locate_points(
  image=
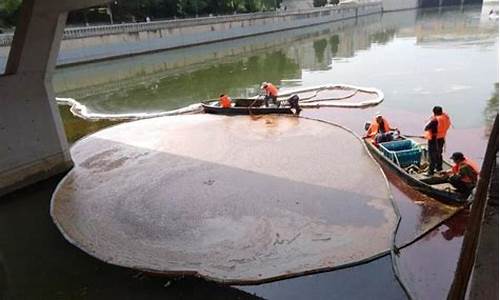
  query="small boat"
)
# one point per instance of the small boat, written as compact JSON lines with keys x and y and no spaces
{"x":245,"y":107}
{"x":409,"y":160}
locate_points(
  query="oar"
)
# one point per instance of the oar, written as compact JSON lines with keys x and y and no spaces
{"x":251,"y":105}
{"x":414,"y":136}
{"x":405,"y":135}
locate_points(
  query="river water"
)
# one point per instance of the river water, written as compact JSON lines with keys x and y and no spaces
{"x":418,"y":58}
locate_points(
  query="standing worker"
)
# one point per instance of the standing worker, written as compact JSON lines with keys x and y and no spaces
{"x":435,"y":133}
{"x":271,"y":93}
{"x":463,"y":175}
{"x":224,"y":101}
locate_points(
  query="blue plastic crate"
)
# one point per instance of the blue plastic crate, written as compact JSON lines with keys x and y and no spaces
{"x":403,"y":153}
{"x":398,"y":145}
{"x":409,"y":157}
{"x":388,"y":148}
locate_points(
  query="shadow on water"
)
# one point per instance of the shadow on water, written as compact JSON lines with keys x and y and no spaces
{"x":374,"y":280}
{"x":36,"y":262}
{"x":76,"y":128}
{"x":419,"y":212}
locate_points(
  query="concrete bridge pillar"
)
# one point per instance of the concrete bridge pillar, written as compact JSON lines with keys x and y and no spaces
{"x":33,"y":144}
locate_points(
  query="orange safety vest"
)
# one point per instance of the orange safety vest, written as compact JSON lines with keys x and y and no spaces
{"x":271,"y":90}
{"x":225,"y":101}
{"x":374,"y":127}
{"x":474,"y":167}
{"x":443,"y":124}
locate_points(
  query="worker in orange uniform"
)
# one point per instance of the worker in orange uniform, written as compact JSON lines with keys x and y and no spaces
{"x":224,"y":101}
{"x":380,"y":131}
{"x":271,"y":93}
{"x":463,"y":175}
{"x":435,"y":133}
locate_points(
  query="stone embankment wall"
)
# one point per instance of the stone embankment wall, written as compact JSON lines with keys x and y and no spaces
{"x":103,"y":42}
{"x":393,"y":5}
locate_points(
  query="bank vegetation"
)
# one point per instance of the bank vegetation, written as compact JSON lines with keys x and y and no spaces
{"x":126,"y":11}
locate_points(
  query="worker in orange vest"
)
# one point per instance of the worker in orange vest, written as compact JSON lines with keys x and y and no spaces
{"x":271,"y":93}
{"x":435,"y":133}
{"x":380,"y":131}
{"x":463,"y":175}
{"x":224,"y":101}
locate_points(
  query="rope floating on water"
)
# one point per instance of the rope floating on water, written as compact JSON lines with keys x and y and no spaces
{"x":314,"y":100}
{"x":81,"y":110}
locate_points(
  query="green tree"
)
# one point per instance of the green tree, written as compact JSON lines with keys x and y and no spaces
{"x":251,"y":5}
{"x":318,"y":3}
{"x":138,"y":10}
{"x":9,"y":9}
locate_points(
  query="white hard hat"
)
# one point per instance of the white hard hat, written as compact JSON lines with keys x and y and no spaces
{"x":263,"y":84}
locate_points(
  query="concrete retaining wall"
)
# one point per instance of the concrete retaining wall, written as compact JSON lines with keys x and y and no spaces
{"x":104,"y":42}
{"x":393,"y":5}
{"x":102,"y":77}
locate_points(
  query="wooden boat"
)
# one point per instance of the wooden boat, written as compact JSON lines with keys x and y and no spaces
{"x":409,"y":160}
{"x":244,"y":107}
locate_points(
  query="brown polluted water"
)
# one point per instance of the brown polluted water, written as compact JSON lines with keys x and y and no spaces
{"x":231,"y":199}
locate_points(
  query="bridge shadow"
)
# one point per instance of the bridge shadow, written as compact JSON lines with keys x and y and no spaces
{"x":36,"y":262}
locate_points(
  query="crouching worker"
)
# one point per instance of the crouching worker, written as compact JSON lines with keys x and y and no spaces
{"x":380,"y":131}
{"x":224,"y":101}
{"x":271,"y":92}
{"x":463,"y":175}
{"x":294,"y":104}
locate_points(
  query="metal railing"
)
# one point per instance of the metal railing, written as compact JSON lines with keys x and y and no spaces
{"x":89,"y":31}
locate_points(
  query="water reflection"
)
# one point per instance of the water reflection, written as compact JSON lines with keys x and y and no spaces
{"x":456,"y":226}
{"x":460,"y":29}
{"x":169,"y":80}
{"x":420,"y":214}
{"x":76,"y":128}
{"x":370,"y":51}
{"x":383,"y":37}
{"x":491,"y":110}
{"x":177,"y":90}
{"x":334,"y":44}
{"x":319,"y":50}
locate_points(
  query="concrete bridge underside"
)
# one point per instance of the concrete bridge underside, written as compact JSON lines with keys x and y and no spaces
{"x":33,"y":143}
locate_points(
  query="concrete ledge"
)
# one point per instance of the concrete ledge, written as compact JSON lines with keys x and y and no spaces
{"x":89,"y":31}
{"x":87,"y":44}
{"x":33,"y":172}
